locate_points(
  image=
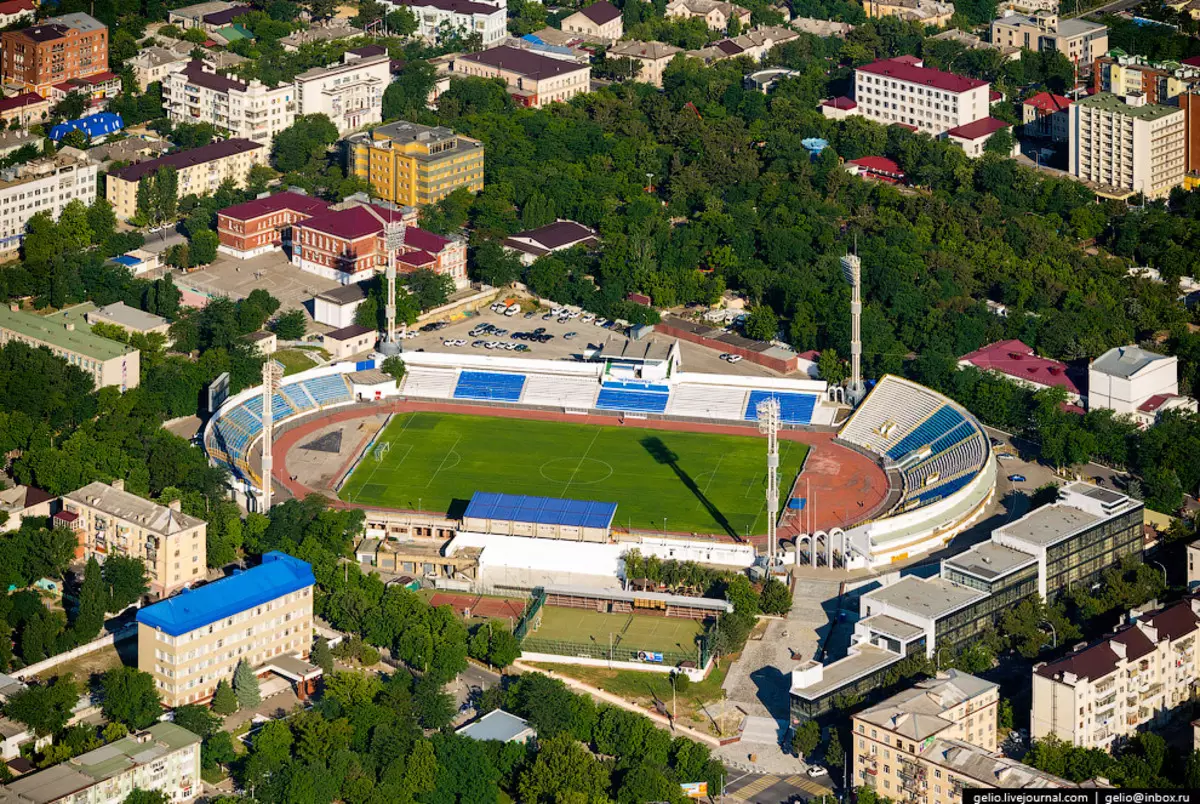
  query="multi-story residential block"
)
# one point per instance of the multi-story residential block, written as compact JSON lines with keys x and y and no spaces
{"x":164,"y":758}
{"x":653,"y":58}
{"x":926,"y":12}
{"x":111,"y":521}
{"x":56,"y":50}
{"x":208,"y":17}
{"x":1122,"y":74}
{"x":1127,"y":145}
{"x":109,"y":362}
{"x":438,"y":19}
{"x":258,"y":226}
{"x":252,"y":111}
{"x":1048,"y":116}
{"x":332,"y":32}
{"x":43,"y":185}
{"x":350,"y":94}
{"x":154,"y":64}
{"x":191,"y":642}
{"x":1118,"y":686}
{"x":903,"y":90}
{"x":26,"y":108}
{"x":348,"y":245}
{"x":200,"y":171}
{"x":972,"y":42}
{"x":533,"y":79}
{"x":13,"y":12}
{"x":715,"y":13}
{"x":1081,"y":41}
{"x":598,"y":22}
{"x":1137,"y":382}
{"x":414,"y":165}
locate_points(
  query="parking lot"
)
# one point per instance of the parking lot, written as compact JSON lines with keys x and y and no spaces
{"x":562,"y":347}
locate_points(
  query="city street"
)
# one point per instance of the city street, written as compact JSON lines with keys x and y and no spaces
{"x":756,"y":788}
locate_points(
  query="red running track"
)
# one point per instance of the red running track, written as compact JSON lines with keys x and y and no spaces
{"x":842,"y":486}
{"x":479,"y":606}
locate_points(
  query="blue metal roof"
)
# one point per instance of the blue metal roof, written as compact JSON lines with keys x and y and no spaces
{"x":541,"y":510}
{"x":279,"y":574}
{"x":95,"y":125}
{"x":125,"y":259}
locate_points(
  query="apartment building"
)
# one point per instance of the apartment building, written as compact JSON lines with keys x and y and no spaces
{"x":26,"y":109}
{"x":533,"y":79}
{"x":1081,"y":41}
{"x":598,"y":22}
{"x":154,"y":64}
{"x":436,"y":18}
{"x":902,"y":90}
{"x":258,"y":226}
{"x":1126,"y":145}
{"x":107,"y":361}
{"x":715,"y":13}
{"x":43,"y":185}
{"x":926,"y":12}
{"x":1048,"y":116}
{"x":111,"y":521}
{"x":164,"y":758}
{"x":348,"y":246}
{"x":1118,"y":686}
{"x":1121,"y":74}
{"x":56,"y":50}
{"x":653,"y":58}
{"x":200,"y":171}
{"x":191,"y":642}
{"x":252,"y":111}
{"x":414,"y":165}
{"x":350,"y":94}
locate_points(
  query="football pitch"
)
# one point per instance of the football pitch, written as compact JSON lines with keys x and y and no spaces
{"x":660,"y":480}
{"x":631,"y":631}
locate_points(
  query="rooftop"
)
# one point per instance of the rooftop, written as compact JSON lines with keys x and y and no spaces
{"x":904,"y":70}
{"x":454,"y":6}
{"x":1108,"y":102}
{"x":125,"y":505}
{"x":497,"y":725}
{"x":1015,"y":359}
{"x":185,"y":159}
{"x":404,"y":131}
{"x":919,"y":711}
{"x":524,"y":62}
{"x":278,"y":575}
{"x":988,"y":769}
{"x":78,"y":340}
{"x":129,"y":317}
{"x":644,"y":50}
{"x":348,"y":333}
{"x":601,"y":12}
{"x":1125,"y":361}
{"x":976,"y":129}
{"x":297,"y":202}
{"x":929,"y":598}
{"x":988,"y":560}
{"x":344,"y":294}
{"x":21,"y":101}
{"x":892,"y":627}
{"x":204,"y":75}
{"x":540,"y":510}
{"x":1048,"y":525}
{"x":864,"y":660}
{"x":551,"y":237}
{"x":1047,"y":102}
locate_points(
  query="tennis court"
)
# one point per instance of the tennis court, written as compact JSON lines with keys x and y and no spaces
{"x":630,"y":631}
{"x":478,"y":605}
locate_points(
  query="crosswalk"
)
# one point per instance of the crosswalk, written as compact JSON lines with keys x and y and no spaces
{"x":763,"y":783}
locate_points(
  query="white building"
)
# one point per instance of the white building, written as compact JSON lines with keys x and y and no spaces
{"x":437,"y":18}
{"x":45,"y":185}
{"x":253,"y":111}
{"x":155,"y":64}
{"x":337,"y":307}
{"x":350,"y":94}
{"x":902,"y":90}
{"x":1131,"y":380}
{"x":1127,"y":145}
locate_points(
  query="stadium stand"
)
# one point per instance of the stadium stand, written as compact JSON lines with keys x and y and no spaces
{"x":793,"y":408}
{"x":437,"y":383}
{"x":708,"y":401}
{"x":488,"y":385}
{"x":633,"y":397}
{"x":942,"y":421}
{"x":896,"y":409}
{"x":575,"y":393}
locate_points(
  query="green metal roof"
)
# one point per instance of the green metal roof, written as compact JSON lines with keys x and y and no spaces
{"x":1108,"y":102}
{"x":54,"y":332}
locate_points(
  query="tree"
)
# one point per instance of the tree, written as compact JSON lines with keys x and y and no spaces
{"x":245,"y":685}
{"x":292,"y":325}
{"x":139,"y":796}
{"x":224,"y":700}
{"x":202,"y":247}
{"x":394,"y":367}
{"x":218,"y":750}
{"x":762,"y":324}
{"x":1004,"y":715}
{"x":407,"y":94}
{"x":75,"y":138}
{"x":806,"y":738}
{"x":430,"y":288}
{"x":321,"y":656}
{"x":830,"y":367}
{"x":835,"y":755}
{"x":1000,"y":143}
{"x":129,"y":697}
{"x":563,"y":771}
{"x":71,"y":107}
{"x":93,"y":603}
{"x":433,"y":707}
{"x":198,"y":720}
{"x":776,"y":598}
{"x":44,"y":708}
{"x":127,"y":581}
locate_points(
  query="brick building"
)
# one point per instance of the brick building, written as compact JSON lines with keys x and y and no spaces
{"x":255,"y":227}
{"x":56,"y":50}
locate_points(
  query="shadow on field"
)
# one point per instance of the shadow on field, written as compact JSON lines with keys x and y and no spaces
{"x":661,"y":453}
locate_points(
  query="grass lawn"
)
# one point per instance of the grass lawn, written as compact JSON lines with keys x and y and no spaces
{"x":638,"y":632}
{"x":685,"y":482}
{"x":294,"y":361}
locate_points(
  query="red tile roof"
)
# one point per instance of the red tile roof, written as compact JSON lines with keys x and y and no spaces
{"x":274,"y":203}
{"x":182,"y":159}
{"x":67,"y":516}
{"x":416,"y":258}
{"x":983,"y":127}
{"x":454,"y":6}
{"x":195,"y":73}
{"x":1047,"y":102}
{"x":1155,"y":402}
{"x":840,"y":102}
{"x":525,"y":62}
{"x":19,"y":101}
{"x":1192,"y":61}
{"x":601,"y":12}
{"x":362,"y":221}
{"x":426,"y":241}
{"x":904,"y":69}
{"x":1177,"y":621}
{"x":878,"y":164}
{"x":913,"y":60}
{"x":16,"y":6}
{"x":1016,"y":359}
{"x":995,"y":95}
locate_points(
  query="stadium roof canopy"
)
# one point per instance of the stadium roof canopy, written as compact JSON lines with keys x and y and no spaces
{"x":540,"y":510}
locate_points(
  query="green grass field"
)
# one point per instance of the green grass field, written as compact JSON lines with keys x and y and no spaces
{"x":685,"y":482}
{"x":637,"y":632}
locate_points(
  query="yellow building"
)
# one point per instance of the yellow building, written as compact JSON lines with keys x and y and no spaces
{"x":410,"y":164}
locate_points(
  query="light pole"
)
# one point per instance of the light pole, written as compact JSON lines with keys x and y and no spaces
{"x":649,"y":182}
{"x":418,"y":505}
{"x":1053,"y":633}
{"x":1164,"y":569}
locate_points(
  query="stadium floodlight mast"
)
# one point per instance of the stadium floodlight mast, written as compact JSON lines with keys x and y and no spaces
{"x":272,"y":375}
{"x":768,"y":423}
{"x":852,"y":271}
{"x":393,"y":238}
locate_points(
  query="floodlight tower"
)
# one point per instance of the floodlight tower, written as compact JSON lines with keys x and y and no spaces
{"x":852,"y":271}
{"x":393,"y":238}
{"x":768,"y":423}
{"x":272,"y":375}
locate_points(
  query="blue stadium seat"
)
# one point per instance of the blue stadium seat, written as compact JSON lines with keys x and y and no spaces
{"x":936,"y":493}
{"x":280,"y":408}
{"x":634,"y":397}
{"x":943,"y":420}
{"x":951,"y":438}
{"x":299,"y":400}
{"x":328,"y":390}
{"x":793,"y":408}
{"x":489,"y":385}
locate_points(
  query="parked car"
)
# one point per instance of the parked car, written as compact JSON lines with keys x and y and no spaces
{"x":816,"y":770}
{"x":1016,"y":478}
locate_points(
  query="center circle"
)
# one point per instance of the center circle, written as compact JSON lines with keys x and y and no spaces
{"x":576,"y":471}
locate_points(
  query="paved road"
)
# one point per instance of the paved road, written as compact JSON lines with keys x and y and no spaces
{"x":1108,"y":8}
{"x":755,"y":788}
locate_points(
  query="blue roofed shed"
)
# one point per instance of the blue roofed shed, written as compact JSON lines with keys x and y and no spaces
{"x":96,"y":126}
{"x":552,"y":517}
{"x":279,"y":574}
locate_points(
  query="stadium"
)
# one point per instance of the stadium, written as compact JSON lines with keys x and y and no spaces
{"x":906,"y":471}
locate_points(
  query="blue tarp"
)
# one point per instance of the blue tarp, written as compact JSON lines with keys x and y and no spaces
{"x":540,"y":510}
{"x":798,"y":503}
{"x":96,"y":125}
